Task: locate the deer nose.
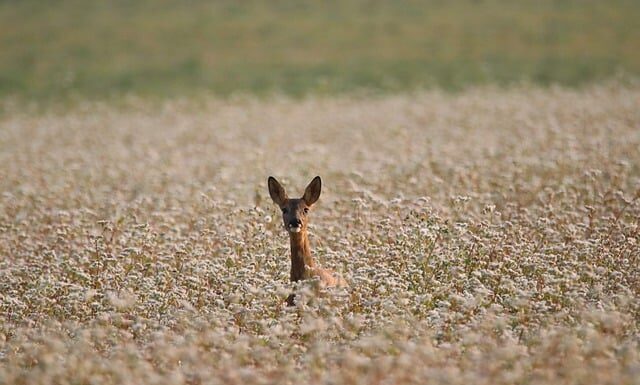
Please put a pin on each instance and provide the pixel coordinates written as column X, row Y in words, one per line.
column 295, row 223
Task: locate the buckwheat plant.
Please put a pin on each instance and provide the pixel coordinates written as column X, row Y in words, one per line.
column 488, row 237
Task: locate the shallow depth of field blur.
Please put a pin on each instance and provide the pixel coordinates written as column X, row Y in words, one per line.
column 481, row 198
column 65, row 50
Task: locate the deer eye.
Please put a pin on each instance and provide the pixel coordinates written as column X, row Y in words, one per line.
column 306, row 210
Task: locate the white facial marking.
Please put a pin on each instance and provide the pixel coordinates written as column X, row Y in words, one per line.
column 294, row 229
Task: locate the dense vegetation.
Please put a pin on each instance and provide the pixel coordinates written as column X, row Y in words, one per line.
column 489, row 237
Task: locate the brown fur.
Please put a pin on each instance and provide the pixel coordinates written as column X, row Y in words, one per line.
column 295, row 211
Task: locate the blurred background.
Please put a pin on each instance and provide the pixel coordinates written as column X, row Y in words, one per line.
column 56, row 50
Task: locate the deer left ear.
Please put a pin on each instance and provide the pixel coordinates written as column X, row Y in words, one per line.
column 312, row 192
column 276, row 191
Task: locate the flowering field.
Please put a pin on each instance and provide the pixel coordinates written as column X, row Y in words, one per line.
column 488, row 237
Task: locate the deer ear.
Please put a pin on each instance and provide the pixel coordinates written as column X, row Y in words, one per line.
column 276, row 191
column 312, row 192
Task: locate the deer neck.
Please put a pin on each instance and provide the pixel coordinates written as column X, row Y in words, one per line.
column 300, row 254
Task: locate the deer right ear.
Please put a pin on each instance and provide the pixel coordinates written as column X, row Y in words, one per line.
column 312, row 192
column 276, row 191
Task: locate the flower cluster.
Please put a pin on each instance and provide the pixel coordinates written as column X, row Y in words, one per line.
column 488, row 237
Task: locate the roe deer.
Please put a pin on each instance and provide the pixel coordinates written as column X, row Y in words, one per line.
column 295, row 218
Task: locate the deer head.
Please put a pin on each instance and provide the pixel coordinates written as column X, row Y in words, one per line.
column 294, row 211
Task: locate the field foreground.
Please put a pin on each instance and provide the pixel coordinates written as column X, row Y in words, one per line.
column 488, row 237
